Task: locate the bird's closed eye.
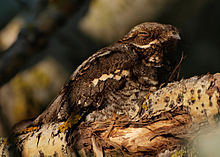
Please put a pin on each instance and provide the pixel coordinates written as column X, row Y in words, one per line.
column 174, row 33
column 145, row 33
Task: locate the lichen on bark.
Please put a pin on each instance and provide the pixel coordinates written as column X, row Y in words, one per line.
column 168, row 126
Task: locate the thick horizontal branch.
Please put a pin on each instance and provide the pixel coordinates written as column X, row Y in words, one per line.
column 170, row 119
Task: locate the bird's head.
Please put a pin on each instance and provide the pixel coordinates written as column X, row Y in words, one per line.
column 156, row 44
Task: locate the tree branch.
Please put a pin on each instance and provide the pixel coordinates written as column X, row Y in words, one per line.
column 170, row 120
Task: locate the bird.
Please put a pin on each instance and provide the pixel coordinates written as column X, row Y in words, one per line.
column 112, row 80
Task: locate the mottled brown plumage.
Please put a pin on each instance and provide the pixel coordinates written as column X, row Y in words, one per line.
column 112, row 79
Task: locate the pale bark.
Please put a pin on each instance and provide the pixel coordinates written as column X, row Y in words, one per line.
column 171, row 119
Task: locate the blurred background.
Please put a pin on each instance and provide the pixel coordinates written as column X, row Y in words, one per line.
column 43, row 41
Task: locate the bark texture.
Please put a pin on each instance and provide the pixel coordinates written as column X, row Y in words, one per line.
column 167, row 125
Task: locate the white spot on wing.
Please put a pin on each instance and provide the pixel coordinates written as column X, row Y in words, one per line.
column 95, row 81
column 105, row 77
column 117, row 77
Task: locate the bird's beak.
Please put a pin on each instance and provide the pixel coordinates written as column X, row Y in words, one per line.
column 175, row 36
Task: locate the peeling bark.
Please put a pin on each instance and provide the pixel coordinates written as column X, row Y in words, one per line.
column 162, row 128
